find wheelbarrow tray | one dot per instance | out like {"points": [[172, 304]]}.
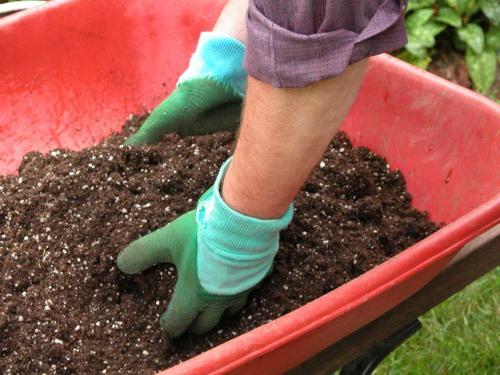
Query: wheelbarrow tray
{"points": [[73, 71]]}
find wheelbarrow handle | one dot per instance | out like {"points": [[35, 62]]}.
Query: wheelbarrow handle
{"points": [[8, 8]]}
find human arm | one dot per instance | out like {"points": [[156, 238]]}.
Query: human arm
{"points": [[225, 247], [301, 45], [232, 20], [282, 138]]}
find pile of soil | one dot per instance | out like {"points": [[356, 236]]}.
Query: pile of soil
{"points": [[64, 306]]}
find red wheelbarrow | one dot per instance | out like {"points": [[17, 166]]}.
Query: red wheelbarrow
{"points": [[73, 71]]}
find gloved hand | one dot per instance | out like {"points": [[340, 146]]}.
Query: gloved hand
{"points": [[208, 94], [220, 256]]}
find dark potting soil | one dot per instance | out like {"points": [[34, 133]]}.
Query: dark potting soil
{"points": [[64, 306]]}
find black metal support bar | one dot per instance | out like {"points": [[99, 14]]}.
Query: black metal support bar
{"points": [[366, 363]]}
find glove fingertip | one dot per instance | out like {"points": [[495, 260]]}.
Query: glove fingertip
{"points": [[237, 306], [134, 140], [129, 142], [200, 330], [171, 329], [124, 264]]}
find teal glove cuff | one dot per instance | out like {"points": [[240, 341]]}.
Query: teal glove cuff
{"points": [[235, 251], [220, 57]]}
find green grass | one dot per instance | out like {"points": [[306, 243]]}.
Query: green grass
{"points": [[460, 336]]}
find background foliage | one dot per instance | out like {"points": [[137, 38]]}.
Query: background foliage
{"points": [[471, 26]]}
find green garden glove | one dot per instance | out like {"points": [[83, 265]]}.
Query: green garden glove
{"points": [[191, 306], [208, 94], [220, 256]]}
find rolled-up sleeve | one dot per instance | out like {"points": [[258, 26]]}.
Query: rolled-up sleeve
{"points": [[292, 43]]}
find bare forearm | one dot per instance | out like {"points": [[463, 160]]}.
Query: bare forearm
{"points": [[283, 135], [232, 20]]}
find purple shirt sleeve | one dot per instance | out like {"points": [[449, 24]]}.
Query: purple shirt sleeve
{"points": [[292, 43]]}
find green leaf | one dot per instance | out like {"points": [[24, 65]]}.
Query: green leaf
{"points": [[416, 49], [451, 3], [473, 36], [414, 60], [482, 68], [467, 7], [418, 19], [493, 39], [449, 17], [423, 37], [491, 9], [434, 28], [419, 4], [458, 44]]}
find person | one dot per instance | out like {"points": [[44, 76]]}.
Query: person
{"points": [[300, 65]]}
